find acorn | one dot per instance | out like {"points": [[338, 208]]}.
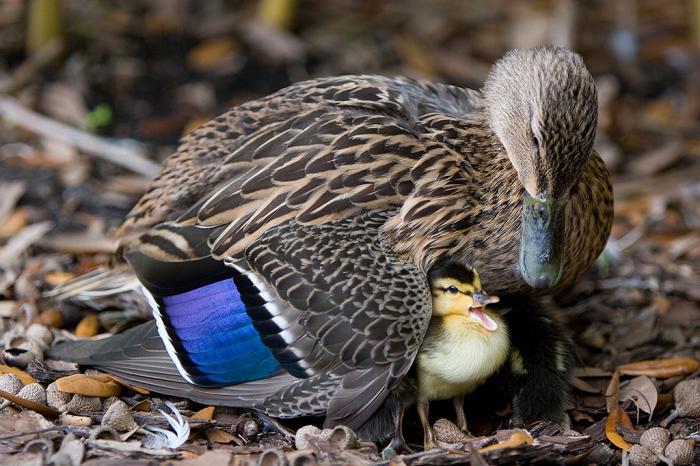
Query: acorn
{"points": [[305, 434], [33, 392], [343, 438], [687, 397], [119, 418], [10, 383], [642, 456], [655, 439], [680, 452], [84, 404], [56, 398], [447, 431]]}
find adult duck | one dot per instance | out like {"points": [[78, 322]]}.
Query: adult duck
{"points": [[284, 246]]}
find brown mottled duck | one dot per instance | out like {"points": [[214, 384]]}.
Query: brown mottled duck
{"points": [[284, 246]]}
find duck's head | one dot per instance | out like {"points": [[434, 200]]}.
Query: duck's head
{"points": [[457, 290], [541, 104]]}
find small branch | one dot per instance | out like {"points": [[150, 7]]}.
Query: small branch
{"points": [[134, 160]]}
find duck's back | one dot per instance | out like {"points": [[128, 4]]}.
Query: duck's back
{"points": [[224, 148]]}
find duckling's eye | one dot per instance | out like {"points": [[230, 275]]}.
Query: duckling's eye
{"points": [[452, 289]]}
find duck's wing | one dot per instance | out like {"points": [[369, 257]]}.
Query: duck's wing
{"points": [[342, 306], [314, 151], [139, 356]]}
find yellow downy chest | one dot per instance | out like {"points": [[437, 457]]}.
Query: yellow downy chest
{"points": [[458, 355]]}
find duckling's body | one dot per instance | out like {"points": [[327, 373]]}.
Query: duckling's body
{"points": [[458, 355]]}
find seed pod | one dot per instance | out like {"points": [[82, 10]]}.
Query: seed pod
{"points": [[305, 434], [642, 456], [655, 439], [119, 418], [33, 392], [10, 383], [84, 404], [56, 398], [687, 397], [680, 452], [343, 438], [447, 431]]}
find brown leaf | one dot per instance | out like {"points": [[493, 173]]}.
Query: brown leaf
{"points": [[143, 406], [28, 404], [89, 385], [23, 376], [56, 278], [206, 413], [128, 385], [611, 429], [661, 368], [642, 392], [612, 394], [215, 435], [51, 318], [517, 439], [88, 327]]}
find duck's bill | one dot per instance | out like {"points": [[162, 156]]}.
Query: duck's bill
{"points": [[542, 241], [484, 319]]}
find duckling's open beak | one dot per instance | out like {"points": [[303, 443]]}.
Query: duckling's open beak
{"points": [[481, 299], [542, 240]]}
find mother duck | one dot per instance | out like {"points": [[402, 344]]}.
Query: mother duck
{"points": [[283, 245]]}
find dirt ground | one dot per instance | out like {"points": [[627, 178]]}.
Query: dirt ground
{"points": [[93, 95]]}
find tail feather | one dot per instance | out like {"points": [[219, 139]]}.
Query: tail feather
{"points": [[139, 357], [104, 288]]}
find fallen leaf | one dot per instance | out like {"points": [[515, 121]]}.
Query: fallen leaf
{"points": [[206, 413], [661, 368], [128, 385], [215, 435], [642, 392], [612, 394], [143, 406], [88, 326], [517, 439], [13, 223], [56, 278], [23, 376], [51, 318], [611, 429], [89, 385], [28, 404], [20, 242]]}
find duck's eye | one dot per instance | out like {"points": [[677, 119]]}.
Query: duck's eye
{"points": [[452, 289], [536, 142]]}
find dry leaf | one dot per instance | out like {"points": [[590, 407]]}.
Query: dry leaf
{"points": [[89, 385], [14, 223], [128, 385], [143, 406], [56, 278], [207, 414], [88, 327], [23, 376], [642, 392], [611, 429], [51, 318], [612, 394], [517, 439], [215, 435], [28, 404], [661, 368]]}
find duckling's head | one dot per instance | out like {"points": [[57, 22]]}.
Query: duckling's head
{"points": [[541, 103], [457, 290]]}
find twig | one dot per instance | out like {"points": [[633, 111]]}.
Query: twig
{"points": [[126, 157], [39, 60]]}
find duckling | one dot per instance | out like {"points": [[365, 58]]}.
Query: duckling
{"points": [[465, 344], [517, 347]]}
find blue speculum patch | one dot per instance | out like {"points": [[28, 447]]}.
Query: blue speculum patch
{"points": [[214, 337]]}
